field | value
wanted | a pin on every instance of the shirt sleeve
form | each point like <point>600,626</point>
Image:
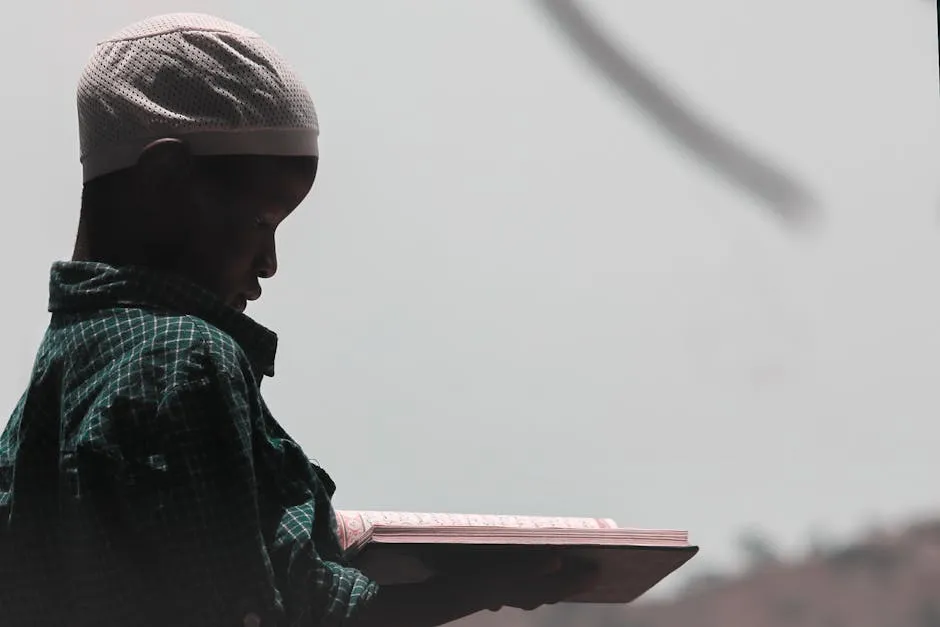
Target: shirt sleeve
<point>223,551</point>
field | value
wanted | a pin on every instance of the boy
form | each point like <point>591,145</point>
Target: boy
<point>143,480</point>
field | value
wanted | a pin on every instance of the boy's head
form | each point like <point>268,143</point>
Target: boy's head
<point>197,140</point>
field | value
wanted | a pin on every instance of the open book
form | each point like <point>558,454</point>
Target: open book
<point>399,547</point>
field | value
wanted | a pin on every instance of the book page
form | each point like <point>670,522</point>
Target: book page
<point>352,525</point>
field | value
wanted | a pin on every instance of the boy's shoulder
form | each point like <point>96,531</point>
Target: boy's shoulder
<point>198,342</point>
<point>167,346</point>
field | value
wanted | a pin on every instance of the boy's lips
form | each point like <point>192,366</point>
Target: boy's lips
<point>241,301</point>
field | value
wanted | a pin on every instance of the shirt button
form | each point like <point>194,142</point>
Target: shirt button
<point>252,620</point>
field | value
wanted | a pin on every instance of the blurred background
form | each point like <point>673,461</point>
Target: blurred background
<point>674,264</point>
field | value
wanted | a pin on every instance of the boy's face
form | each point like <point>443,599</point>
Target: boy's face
<point>234,205</point>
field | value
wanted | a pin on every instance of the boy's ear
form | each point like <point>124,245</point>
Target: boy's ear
<point>165,163</point>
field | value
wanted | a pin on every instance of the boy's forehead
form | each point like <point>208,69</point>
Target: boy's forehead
<point>275,183</point>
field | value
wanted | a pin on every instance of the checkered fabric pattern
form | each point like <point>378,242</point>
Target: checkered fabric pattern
<point>143,481</point>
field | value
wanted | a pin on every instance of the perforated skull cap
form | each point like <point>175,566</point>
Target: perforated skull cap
<point>195,77</point>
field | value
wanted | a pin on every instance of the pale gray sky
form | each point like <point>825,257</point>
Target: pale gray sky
<point>509,293</point>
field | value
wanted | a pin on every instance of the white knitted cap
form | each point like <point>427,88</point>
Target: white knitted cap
<point>214,84</point>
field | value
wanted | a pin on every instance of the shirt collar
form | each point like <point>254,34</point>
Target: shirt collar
<point>84,285</point>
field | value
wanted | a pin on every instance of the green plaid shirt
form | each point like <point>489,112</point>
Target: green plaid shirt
<point>143,481</point>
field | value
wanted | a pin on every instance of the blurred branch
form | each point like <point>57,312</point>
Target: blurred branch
<point>786,196</point>
<point>758,549</point>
